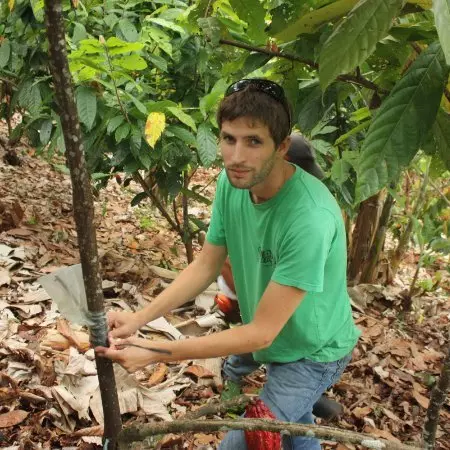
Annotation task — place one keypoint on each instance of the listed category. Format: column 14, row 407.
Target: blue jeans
column 290, row 392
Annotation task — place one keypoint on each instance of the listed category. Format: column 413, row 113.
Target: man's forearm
column 242, row 339
column 191, row 282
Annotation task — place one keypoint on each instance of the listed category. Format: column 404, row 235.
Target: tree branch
column 138, row 178
column 358, row 80
column 140, row 432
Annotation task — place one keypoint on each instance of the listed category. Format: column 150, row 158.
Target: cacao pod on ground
column 261, row 440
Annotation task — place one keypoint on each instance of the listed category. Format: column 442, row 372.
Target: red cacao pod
column 261, row 440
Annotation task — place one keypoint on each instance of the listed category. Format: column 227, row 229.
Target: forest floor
column 49, row 396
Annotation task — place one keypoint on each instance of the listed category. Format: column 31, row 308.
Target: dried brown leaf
column 359, row 413
column 421, row 400
column 12, row 418
column 158, row 375
column 199, row 372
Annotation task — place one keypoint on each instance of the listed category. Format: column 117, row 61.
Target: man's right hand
column 122, row 324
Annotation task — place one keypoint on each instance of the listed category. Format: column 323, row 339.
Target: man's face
column 248, row 151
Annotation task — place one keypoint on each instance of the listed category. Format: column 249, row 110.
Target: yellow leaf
column 154, row 127
column 75, row 3
column 11, row 4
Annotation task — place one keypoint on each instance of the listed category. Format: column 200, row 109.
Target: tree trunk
column 438, row 396
column 362, row 237
column 83, row 213
column 369, row 272
column 403, row 242
column 187, row 235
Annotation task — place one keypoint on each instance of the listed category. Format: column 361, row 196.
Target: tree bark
column 362, row 237
column 369, row 272
column 139, row 433
column 187, row 235
column 438, row 396
column 84, row 214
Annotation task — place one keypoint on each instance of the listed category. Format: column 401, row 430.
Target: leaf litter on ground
column 48, row 385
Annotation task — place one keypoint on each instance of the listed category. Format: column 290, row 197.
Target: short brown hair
column 257, row 105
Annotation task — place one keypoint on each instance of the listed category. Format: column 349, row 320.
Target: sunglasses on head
column 260, row 84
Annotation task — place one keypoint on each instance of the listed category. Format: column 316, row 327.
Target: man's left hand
column 130, row 358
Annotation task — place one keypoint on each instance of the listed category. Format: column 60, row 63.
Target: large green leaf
column 252, row 12
column 128, row 30
column 30, row 97
column 402, row 122
column 131, row 62
column 182, row 117
column 5, row 52
column 86, row 105
column 206, row 144
column 441, row 10
column 356, row 37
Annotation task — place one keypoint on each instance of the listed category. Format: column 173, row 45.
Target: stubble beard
column 258, row 177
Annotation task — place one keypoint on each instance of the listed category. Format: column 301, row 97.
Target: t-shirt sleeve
column 304, row 250
column 216, row 230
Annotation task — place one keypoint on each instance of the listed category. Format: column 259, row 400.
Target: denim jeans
column 290, row 392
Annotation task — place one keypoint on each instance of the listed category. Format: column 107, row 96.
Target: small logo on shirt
column 266, row 257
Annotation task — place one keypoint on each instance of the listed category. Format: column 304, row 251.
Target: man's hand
column 122, row 324
column 129, row 357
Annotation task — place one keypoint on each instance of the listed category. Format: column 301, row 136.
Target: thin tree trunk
column 369, row 272
column 83, row 213
column 140, row 432
column 187, row 235
column 438, row 396
column 363, row 233
column 403, row 242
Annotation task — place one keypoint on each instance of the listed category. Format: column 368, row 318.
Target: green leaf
column 30, row 97
column 340, row 171
column 46, row 131
column 402, row 122
column 210, row 100
column 356, row 37
column 131, row 62
column 5, row 52
column 322, row 146
column 255, row 61
column 122, row 132
column 182, row 117
column 181, row 133
column 128, row 30
column 116, row 46
column 87, row 106
column 166, row 24
column 212, row 29
column 158, row 61
column 196, row 196
column 252, row 12
column 441, row 10
column 114, row 123
column 206, row 144
column 441, row 136
column 138, row 198
column 79, row 33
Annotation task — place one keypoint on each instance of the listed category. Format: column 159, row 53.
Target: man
column 285, row 237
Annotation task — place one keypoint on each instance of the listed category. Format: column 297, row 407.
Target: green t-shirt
column 296, row 238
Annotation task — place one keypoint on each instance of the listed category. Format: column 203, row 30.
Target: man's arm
column 189, row 283
column 276, row 307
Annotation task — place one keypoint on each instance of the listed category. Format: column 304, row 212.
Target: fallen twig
column 140, row 432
